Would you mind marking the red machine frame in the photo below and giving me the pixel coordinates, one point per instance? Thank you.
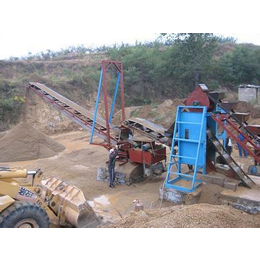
(119, 67)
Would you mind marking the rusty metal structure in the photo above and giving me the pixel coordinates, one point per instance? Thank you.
(220, 115)
(104, 128)
(222, 121)
(74, 112)
(102, 87)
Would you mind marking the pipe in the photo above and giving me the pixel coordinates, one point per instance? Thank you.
(146, 147)
(13, 173)
(96, 106)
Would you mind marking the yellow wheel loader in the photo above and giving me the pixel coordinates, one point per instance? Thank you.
(41, 202)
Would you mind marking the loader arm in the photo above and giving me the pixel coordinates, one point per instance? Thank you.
(65, 204)
(5, 201)
(13, 190)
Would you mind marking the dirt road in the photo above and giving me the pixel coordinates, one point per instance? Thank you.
(78, 164)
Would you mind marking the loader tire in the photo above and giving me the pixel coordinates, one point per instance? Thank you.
(24, 215)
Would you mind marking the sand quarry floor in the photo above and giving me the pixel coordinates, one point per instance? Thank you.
(78, 164)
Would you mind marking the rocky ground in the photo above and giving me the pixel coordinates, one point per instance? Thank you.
(78, 164)
(189, 216)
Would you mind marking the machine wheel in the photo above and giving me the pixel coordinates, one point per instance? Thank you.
(24, 215)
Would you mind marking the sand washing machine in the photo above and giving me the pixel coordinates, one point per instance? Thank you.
(199, 139)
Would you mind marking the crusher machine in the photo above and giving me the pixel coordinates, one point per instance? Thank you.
(197, 140)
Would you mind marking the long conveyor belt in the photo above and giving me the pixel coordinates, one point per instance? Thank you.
(149, 129)
(232, 114)
(74, 112)
(234, 127)
(246, 180)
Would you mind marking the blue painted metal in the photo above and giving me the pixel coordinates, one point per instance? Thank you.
(114, 99)
(223, 134)
(252, 169)
(190, 135)
(96, 106)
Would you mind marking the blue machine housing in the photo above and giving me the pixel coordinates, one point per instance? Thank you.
(190, 138)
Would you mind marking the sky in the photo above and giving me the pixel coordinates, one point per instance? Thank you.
(20, 44)
(35, 26)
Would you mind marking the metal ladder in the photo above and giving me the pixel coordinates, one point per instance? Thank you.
(190, 151)
(246, 180)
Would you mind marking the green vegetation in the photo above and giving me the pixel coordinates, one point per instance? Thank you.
(169, 67)
(239, 66)
(174, 64)
(10, 104)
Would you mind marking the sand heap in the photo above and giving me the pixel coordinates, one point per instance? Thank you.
(245, 107)
(2, 134)
(24, 143)
(190, 216)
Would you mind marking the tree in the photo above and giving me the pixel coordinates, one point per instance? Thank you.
(194, 56)
(223, 39)
(240, 66)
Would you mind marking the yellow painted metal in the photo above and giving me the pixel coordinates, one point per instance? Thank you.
(65, 204)
(13, 173)
(69, 203)
(5, 201)
(10, 189)
(16, 191)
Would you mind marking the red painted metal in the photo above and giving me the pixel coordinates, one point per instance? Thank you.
(126, 151)
(199, 97)
(147, 157)
(84, 120)
(122, 93)
(210, 167)
(106, 64)
(233, 131)
(104, 68)
(255, 129)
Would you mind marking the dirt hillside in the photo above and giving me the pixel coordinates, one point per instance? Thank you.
(192, 216)
(24, 142)
(245, 107)
(44, 117)
(162, 114)
(2, 134)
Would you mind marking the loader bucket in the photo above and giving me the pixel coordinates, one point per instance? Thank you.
(68, 203)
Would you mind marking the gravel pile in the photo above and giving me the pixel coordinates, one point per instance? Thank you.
(190, 216)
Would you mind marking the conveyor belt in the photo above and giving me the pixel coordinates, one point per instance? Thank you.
(249, 144)
(74, 112)
(247, 181)
(149, 129)
(235, 124)
(233, 115)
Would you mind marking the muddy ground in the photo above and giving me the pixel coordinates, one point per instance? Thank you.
(78, 164)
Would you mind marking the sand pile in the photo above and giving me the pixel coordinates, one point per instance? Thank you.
(24, 143)
(2, 134)
(244, 107)
(190, 216)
